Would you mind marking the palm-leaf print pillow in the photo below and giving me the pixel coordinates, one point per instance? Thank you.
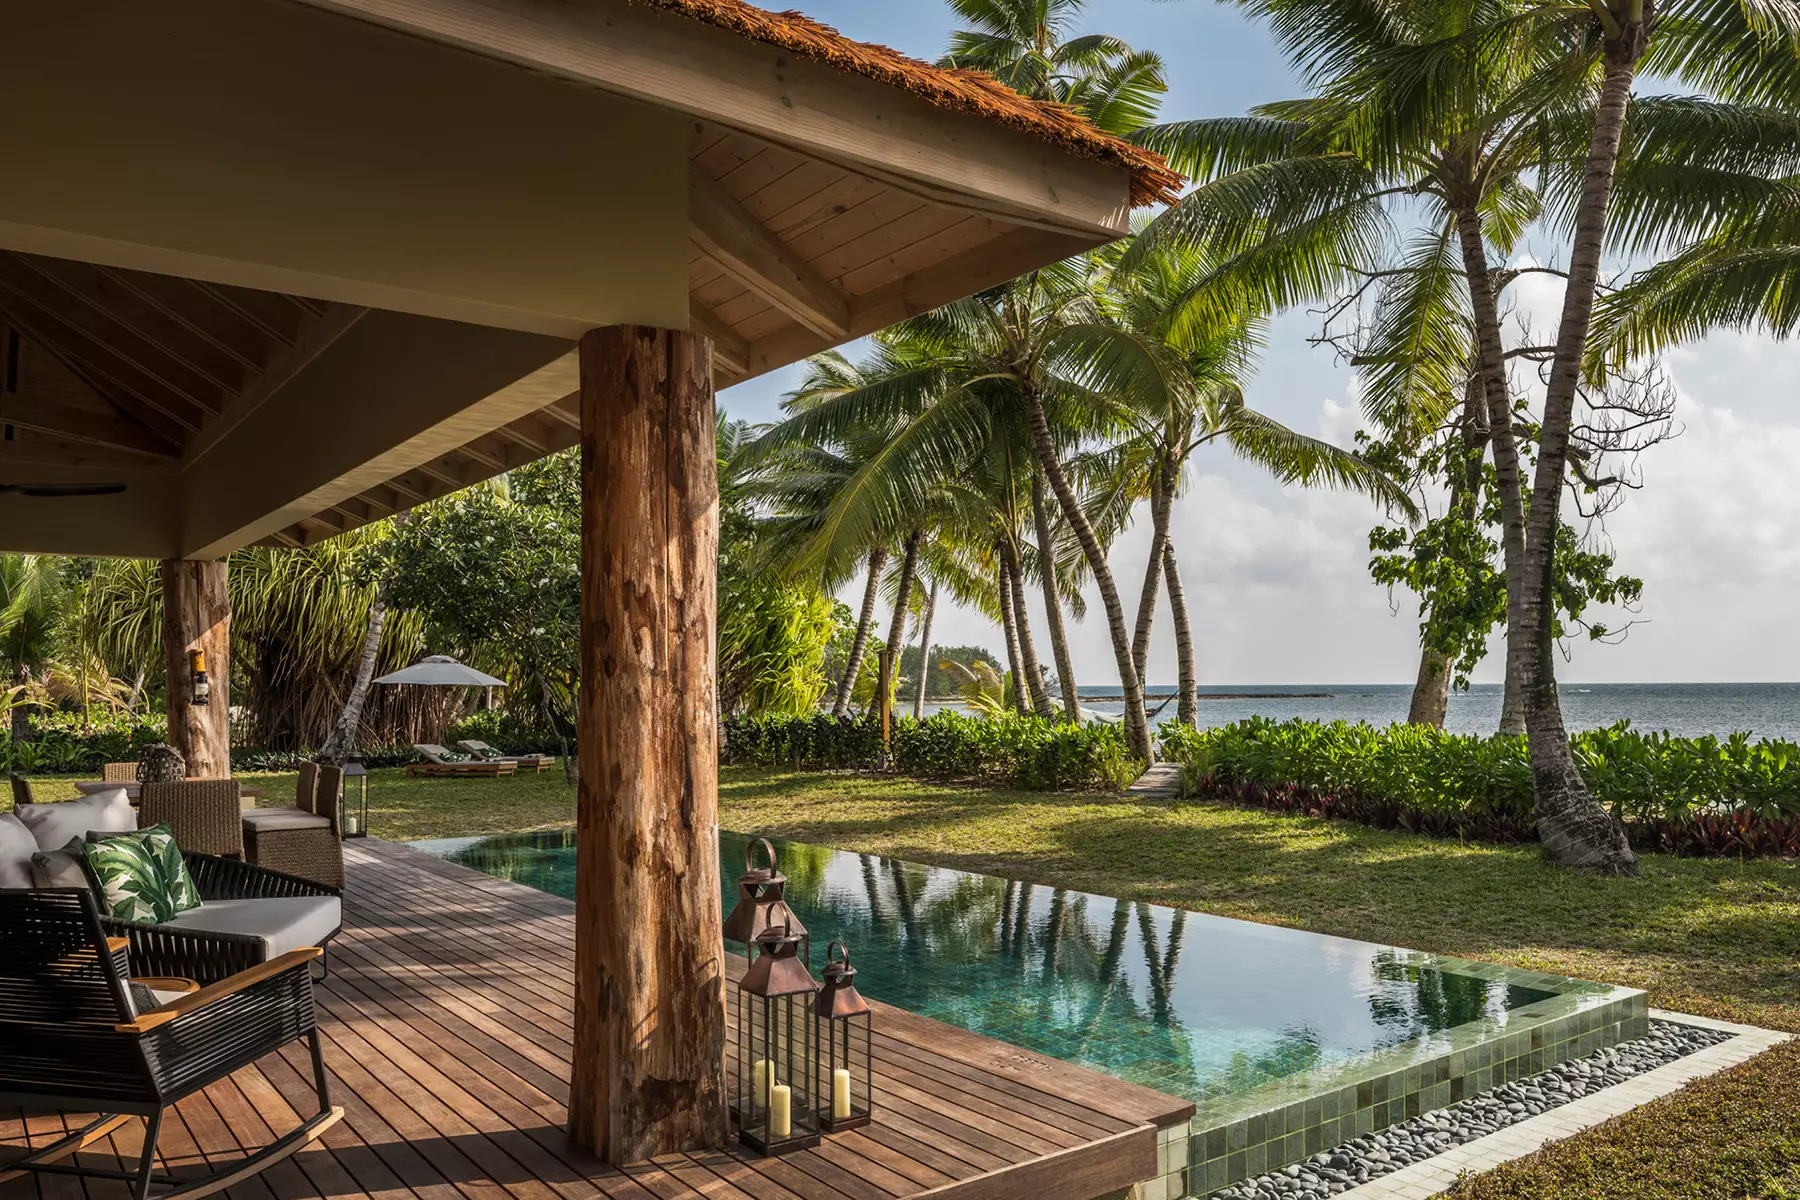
(141, 876)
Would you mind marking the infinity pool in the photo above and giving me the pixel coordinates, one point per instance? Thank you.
(1192, 1005)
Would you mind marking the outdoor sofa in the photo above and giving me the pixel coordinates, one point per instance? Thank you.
(248, 914)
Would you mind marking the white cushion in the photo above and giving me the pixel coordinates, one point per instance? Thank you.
(284, 923)
(284, 818)
(60, 868)
(17, 845)
(53, 825)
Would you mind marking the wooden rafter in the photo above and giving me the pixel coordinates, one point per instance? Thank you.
(280, 370)
(758, 259)
(59, 420)
(729, 350)
(104, 334)
(113, 377)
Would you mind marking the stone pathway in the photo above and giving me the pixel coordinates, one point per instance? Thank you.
(1160, 782)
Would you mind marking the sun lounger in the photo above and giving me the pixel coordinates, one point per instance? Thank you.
(439, 761)
(486, 753)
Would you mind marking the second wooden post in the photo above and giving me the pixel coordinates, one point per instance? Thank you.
(649, 999)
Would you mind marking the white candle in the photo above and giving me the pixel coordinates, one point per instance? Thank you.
(760, 1083)
(781, 1111)
(840, 1094)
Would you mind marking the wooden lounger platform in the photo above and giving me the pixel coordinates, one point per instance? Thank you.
(472, 767)
(447, 1027)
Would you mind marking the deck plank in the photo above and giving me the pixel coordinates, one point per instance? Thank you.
(447, 1026)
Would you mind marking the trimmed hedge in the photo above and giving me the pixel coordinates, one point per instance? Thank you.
(1677, 795)
(1030, 753)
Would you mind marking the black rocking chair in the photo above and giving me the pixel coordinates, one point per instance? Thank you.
(77, 1036)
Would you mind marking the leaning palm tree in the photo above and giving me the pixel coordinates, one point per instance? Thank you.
(1026, 45)
(961, 385)
(1173, 369)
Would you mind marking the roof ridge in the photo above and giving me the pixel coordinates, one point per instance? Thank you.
(1153, 181)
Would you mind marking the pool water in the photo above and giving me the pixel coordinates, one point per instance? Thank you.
(1189, 1004)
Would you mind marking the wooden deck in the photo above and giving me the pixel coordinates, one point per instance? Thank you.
(447, 1022)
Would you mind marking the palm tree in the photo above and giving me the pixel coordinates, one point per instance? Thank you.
(1455, 102)
(962, 400)
(1608, 41)
(1172, 367)
(33, 589)
(1024, 44)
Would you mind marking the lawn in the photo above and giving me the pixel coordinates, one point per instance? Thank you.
(1716, 937)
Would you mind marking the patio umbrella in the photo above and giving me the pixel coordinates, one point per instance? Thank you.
(440, 670)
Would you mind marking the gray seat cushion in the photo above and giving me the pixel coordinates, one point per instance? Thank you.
(54, 824)
(285, 923)
(17, 845)
(261, 819)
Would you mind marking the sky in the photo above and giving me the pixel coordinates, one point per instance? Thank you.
(1277, 578)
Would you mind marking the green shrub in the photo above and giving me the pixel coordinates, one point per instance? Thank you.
(1683, 795)
(1023, 752)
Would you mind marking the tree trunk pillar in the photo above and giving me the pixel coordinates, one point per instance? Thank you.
(197, 616)
(649, 964)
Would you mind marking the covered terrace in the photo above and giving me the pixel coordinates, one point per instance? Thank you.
(273, 269)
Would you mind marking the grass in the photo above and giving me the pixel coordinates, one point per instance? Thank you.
(1710, 936)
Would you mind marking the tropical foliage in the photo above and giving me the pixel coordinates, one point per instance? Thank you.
(1026, 752)
(1679, 795)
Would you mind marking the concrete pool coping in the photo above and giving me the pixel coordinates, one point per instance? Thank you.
(1241, 1135)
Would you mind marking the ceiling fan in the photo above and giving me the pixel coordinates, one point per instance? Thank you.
(55, 490)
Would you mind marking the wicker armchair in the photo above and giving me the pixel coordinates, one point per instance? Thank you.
(125, 772)
(77, 1036)
(208, 955)
(303, 840)
(204, 815)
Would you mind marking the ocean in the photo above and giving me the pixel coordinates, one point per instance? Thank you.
(1769, 710)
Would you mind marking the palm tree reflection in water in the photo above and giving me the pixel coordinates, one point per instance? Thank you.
(1074, 976)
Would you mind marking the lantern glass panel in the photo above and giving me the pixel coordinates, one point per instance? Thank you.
(844, 1035)
(775, 1096)
(353, 812)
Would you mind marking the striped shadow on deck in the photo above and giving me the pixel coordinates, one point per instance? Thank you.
(447, 1022)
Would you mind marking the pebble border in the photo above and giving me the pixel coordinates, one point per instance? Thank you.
(1362, 1161)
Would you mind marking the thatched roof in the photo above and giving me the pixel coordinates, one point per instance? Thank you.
(961, 90)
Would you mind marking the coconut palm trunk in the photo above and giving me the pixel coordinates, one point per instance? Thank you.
(877, 562)
(1187, 702)
(343, 735)
(1053, 617)
(1028, 659)
(909, 566)
(1431, 692)
(1508, 477)
(1137, 726)
(1161, 502)
(1576, 830)
(925, 651)
(1009, 627)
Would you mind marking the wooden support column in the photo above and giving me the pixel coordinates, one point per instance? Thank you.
(649, 970)
(197, 616)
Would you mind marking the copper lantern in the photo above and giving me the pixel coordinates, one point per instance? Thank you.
(762, 904)
(776, 1092)
(842, 1032)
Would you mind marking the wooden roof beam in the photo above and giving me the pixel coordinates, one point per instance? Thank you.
(20, 275)
(729, 350)
(57, 420)
(759, 260)
(280, 370)
(118, 382)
